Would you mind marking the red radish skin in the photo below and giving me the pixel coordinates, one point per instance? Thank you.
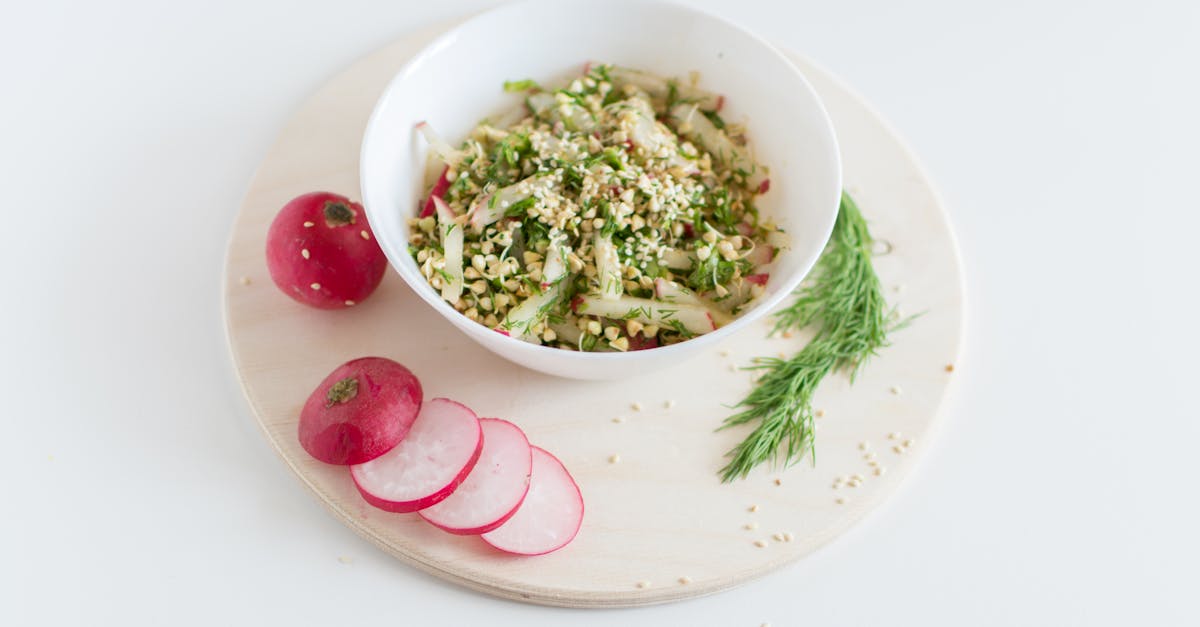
(438, 191)
(491, 494)
(360, 411)
(758, 279)
(322, 253)
(426, 467)
(550, 516)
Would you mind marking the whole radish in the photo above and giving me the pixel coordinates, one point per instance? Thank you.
(321, 251)
(363, 409)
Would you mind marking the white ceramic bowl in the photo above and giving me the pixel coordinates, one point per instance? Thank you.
(456, 81)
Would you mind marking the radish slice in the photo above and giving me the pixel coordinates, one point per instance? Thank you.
(672, 292)
(608, 267)
(439, 146)
(550, 516)
(660, 88)
(693, 125)
(428, 464)
(438, 191)
(452, 245)
(692, 318)
(521, 319)
(490, 208)
(494, 490)
(679, 259)
(761, 255)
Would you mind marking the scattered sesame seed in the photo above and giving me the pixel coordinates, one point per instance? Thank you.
(365, 235)
(909, 442)
(787, 335)
(760, 543)
(841, 500)
(879, 470)
(685, 580)
(898, 449)
(873, 463)
(614, 458)
(869, 455)
(308, 225)
(895, 389)
(733, 368)
(636, 406)
(949, 367)
(778, 481)
(669, 404)
(304, 253)
(350, 303)
(316, 286)
(618, 419)
(782, 355)
(819, 413)
(864, 445)
(345, 559)
(751, 526)
(643, 584)
(895, 435)
(244, 280)
(788, 537)
(753, 508)
(778, 537)
(724, 353)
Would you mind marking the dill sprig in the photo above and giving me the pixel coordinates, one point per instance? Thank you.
(845, 303)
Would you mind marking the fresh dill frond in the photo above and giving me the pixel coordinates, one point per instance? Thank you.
(843, 300)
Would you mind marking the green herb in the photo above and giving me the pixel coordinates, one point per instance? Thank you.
(715, 118)
(845, 304)
(523, 85)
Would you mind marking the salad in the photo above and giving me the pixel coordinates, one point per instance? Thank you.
(616, 212)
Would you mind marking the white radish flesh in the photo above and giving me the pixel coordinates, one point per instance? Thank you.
(452, 246)
(426, 466)
(761, 255)
(439, 146)
(659, 88)
(692, 124)
(555, 267)
(521, 319)
(491, 494)
(491, 207)
(608, 267)
(679, 259)
(550, 516)
(672, 292)
(693, 319)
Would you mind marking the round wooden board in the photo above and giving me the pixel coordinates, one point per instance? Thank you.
(659, 525)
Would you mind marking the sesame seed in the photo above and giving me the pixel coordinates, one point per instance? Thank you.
(724, 353)
(864, 445)
(879, 470)
(643, 584)
(841, 500)
(751, 526)
(898, 449)
(244, 280)
(350, 303)
(316, 286)
(909, 442)
(685, 580)
(788, 537)
(760, 543)
(733, 368)
(669, 404)
(304, 253)
(949, 367)
(778, 481)
(895, 435)
(778, 537)
(895, 389)
(819, 413)
(345, 559)
(872, 463)
(365, 235)
(614, 458)
(753, 508)
(308, 225)
(618, 419)
(787, 335)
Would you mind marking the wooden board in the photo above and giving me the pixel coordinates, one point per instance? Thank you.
(659, 526)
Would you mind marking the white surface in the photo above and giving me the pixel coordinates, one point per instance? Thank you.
(1058, 492)
(791, 134)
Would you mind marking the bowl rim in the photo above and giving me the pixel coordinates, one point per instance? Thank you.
(759, 310)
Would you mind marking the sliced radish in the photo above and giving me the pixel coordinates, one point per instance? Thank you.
(490, 208)
(428, 464)
(494, 490)
(672, 292)
(608, 267)
(521, 319)
(761, 255)
(694, 319)
(695, 126)
(452, 246)
(758, 279)
(555, 267)
(550, 516)
(439, 146)
(438, 191)
(679, 259)
(660, 88)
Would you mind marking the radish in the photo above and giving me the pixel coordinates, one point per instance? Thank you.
(608, 267)
(672, 292)
(695, 126)
(428, 464)
(555, 267)
(452, 247)
(322, 253)
(550, 516)
(679, 259)
(692, 318)
(521, 319)
(758, 279)
(659, 88)
(761, 255)
(489, 208)
(439, 146)
(494, 490)
(363, 409)
(438, 191)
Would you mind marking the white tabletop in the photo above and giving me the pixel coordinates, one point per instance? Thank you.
(1059, 491)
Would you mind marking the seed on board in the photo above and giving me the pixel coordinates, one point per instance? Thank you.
(618, 419)
(909, 442)
(753, 508)
(685, 580)
(895, 435)
(862, 446)
(819, 413)
(841, 500)
(614, 458)
(669, 404)
(949, 367)
(760, 543)
(244, 280)
(724, 353)
(778, 481)
(643, 584)
(898, 449)
(879, 470)
(733, 368)
(778, 537)
(788, 537)
(304, 253)
(751, 526)
(636, 406)
(345, 559)
(895, 389)
(869, 455)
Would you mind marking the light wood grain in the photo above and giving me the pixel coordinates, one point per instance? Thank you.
(660, 514)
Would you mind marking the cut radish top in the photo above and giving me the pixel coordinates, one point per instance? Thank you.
(549, 517)
(425, 468)
(493, 491)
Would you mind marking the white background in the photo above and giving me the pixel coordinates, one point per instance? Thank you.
(1060, 491)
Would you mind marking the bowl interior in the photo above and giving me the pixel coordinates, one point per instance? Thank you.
(457, 81)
